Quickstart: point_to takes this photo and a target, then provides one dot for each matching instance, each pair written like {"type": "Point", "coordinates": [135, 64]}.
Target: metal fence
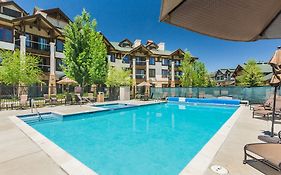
{"type": "Point", "coordinates": [10, 97]}
{"type": "Point", "coordinates": [253, 94]}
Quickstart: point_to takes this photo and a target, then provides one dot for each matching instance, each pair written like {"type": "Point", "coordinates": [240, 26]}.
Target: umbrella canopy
{"type": "Point", "coordinates": [237, 20]}
{"type": "Point", "coordinates": [275, 62]}
{"type": "Point", "coordinates": [144, 83]}
{"type": "Point", "coordinates": [67, 81]}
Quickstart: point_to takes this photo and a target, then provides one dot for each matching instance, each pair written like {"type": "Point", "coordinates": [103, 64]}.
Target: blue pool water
{"type": "Point", "coordinates": [148, 140]}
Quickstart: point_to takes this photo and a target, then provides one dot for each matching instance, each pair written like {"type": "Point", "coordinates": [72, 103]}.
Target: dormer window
{"type": "Point", "coordinates": [125, 43]}
{"type": "Point", "coordinates": [151, 46]}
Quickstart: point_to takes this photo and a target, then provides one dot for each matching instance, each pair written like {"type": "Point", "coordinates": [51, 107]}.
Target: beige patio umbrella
{"type": "Point", "coordinates": [67, 81]}
{"type": "Point", "coordinates": [146, 85]}
{"type": "Point", "coordinates": [240, 20]}
{"type": "Point", "coordinates": [275, 81]}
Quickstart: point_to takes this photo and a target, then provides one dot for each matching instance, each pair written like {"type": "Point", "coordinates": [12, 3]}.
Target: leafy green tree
{"type": "Point", "coordinates": [85, 52]}
{"type": "Point", "coordinates": [251, 75]}
{"type": "Point", "coordinates": [194, 72]}
{"type": "Point", "coordinates": [15, 72]}
{"type": "Point", "coordinates": [118, 77]}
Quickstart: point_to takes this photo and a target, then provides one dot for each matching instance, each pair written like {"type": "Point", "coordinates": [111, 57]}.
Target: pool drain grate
{"type": "Point", "coordinates": [219, 170]}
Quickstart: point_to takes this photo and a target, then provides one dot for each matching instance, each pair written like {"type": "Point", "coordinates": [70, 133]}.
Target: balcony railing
{"type": "Point", "coordinates": [34, 45]}
{"type": "Point", "coordinates": [141, 63]}
{"type": "Point", "coordinates": [44, 68]}
{"type": "Point", "coordinates": [140, 76]}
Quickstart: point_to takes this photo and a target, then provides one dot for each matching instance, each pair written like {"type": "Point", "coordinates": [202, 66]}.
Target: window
{"type": "Point", "coordinates": [11, 12]}
{"type": "Point", "coordinates": [178, 63]}
{"type": "Point", "coordinates": [151, 61]}
{"type": "Point", "coordinates": [28, 39]}
{"type": "Point", "coordinates": [6, 34]}
{"type": "Point", "coordinates": [43, 44]}
{"type": "Point", "coordinates": [126, 59]}
{"type": "Point", "coordinates": [140, 61]}
{"type": "Point", "coordinates": [112, 58]}
{"type": "Point", "coordinates": [152, 73]}
{"type": "Point", "coordinates": [164, 73]}
{"type": "Point", "coordinates": [165, 62]}
{"type": "Point", "coordinates": [60, 46]}
{"type": "Point", "coordinates": [140, 73]}
{"type": "Point", "coordinates": [59, 64]}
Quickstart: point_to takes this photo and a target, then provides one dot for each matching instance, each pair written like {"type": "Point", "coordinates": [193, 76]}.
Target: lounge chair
{"type": "Point", "coordinates": [46, 98]}
{"type": "Point", "coordinates": [266, 104]}
{"type": "Point", "coordinates": [79, 100]}
{"type": "Point", "coordinates": [90, 97]}
{"type": "Point", "coordinates": [53, 100]}
{"type": "Point", "coordinates": [68, 99]}
{"type": "Point", "coordinates": [266, 153]}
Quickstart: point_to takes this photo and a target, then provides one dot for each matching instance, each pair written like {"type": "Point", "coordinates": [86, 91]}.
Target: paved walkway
{"type": "Point", "coordinates": [231, 153]}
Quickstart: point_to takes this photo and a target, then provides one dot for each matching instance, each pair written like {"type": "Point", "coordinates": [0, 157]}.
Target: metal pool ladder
{"type": "Point", "coordinates": [33, 105]}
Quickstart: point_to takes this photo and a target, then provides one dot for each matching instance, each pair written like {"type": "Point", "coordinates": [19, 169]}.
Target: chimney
{"type": "Point", "coordinates": [137, 43]}
{"type": "Point", "coordinates": [161, 46]}
{"type": "Point", "coordinates": [149, 42]}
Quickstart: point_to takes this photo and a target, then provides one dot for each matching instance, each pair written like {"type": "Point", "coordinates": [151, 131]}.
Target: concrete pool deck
{"type": "Point", "coordinates": [21, 155]}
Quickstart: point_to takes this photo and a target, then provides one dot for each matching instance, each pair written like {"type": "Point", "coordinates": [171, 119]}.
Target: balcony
{"type": "Point", "coordinates": [44, 68]}
{"type": "Point", "coordinates": [141, 63]}
{"type": "Point", "coordinates": [34, 46]}
{"type": "Point", "coordinates": [140, 76]}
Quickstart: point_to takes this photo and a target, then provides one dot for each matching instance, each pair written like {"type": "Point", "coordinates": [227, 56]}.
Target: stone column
{"type": "Point", "coordinates": [22, 45]}
{"type": "Point", "coordinates": [22, 90]}
{"type": "Point", "coordinates": [52, 77]}
{"type": "Point", "coordinates": [134, 77]}
{"type": "Point", "coordinates": [173, 74]}
{"type": "Point", "coordinates": [147, 69]}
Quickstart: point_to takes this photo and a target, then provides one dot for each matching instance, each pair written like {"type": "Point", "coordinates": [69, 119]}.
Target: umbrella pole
{"type": "Point", "coordinates": [273, 114]}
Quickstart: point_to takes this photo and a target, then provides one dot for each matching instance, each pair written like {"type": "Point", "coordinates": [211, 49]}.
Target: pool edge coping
{"type": "Point", "coordinates": [200, 163]}
{"type": "Point", "coordinates": [72, 166]}
{"type": "Point", "coordinates": [64, 160]}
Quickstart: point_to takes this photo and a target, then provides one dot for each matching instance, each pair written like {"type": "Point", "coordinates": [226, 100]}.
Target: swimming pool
{"type": "Point", "coordinates": [152, 139]}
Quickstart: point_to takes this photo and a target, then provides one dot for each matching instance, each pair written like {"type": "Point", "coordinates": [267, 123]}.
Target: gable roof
{"type": "Point", "coordinates": [140, 47]}
{"type": "Point", "coordinates": [57, 10]}
{"type": "Point", "coordinates": [125, 41]}
{"type": "Point", "coordinates": [13, 3]}
{"type": "Point", "coordinates": [25, 18]}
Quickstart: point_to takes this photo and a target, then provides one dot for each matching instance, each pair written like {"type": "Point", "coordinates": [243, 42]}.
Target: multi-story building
{"type": "Point", "coordinates": [39, 34]}
{"type": "Point", "coordinates": [264, 67]}
{"type": "Point", "coordinates": [149, 62]}
{"type": "Point", "coordinates": [223, 77]}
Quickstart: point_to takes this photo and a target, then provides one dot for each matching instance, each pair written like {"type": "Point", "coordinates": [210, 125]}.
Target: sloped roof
{"type": "Point", "coordinates": [13, 3]}
{"type": "Point", "coordinates": [265, 68]}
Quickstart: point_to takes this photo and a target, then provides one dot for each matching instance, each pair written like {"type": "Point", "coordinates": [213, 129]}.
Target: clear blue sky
{"type": "Point", "coordinates": [139, 19]}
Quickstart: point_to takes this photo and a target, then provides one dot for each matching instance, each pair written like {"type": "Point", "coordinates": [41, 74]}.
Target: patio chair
{"type": "Point", "coordinates": [90, 97]}
{"type": "Point", "coordinates": [23, 101]}
{"type": "Point", "coordinates": [46, 98]}
{"type": "Point", "coordinates": [266, 104]}
{"type": "Point", "coordinates": [68, 99]}
{"type": "Point", "coordinates": [53, 100]}
{"type": "Point", "coordinates": [79, 100]}
{"type": "Point", "coordinates": [266, 153]}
